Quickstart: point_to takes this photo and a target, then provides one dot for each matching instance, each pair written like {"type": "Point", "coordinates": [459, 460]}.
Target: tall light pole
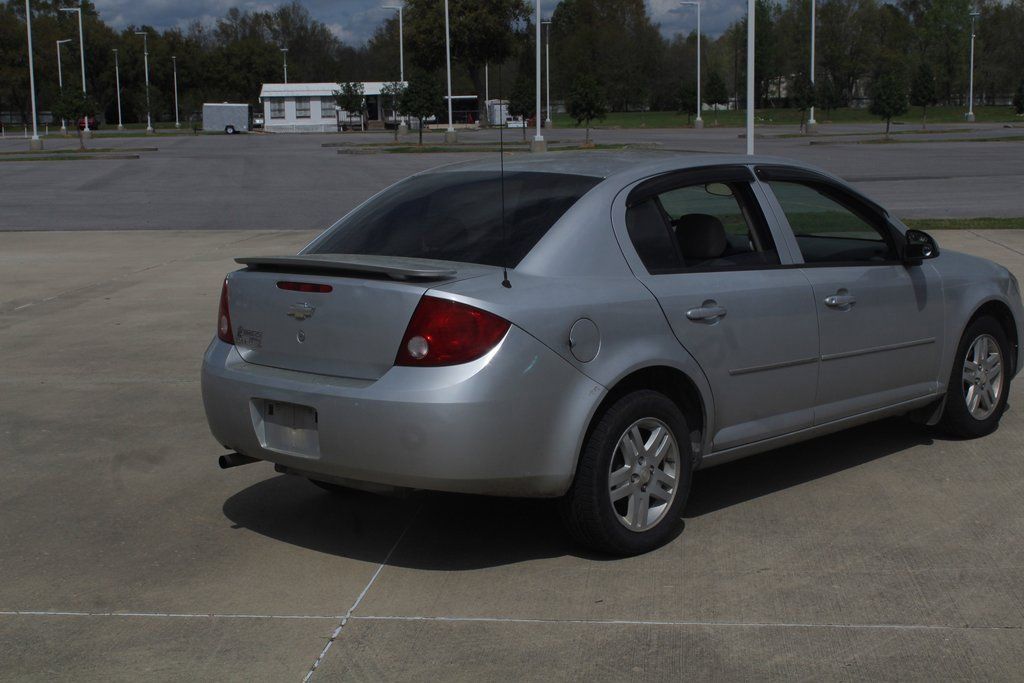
{"type": "Point", "coordinates": [81, 45]}
{"type": "Point", "coordinates": [970, 88]}
{"type": "Point", "coordinates": [449, 135]}
{"type": "Point", "coordinates": [145, 56]}
{"type": "Point", "coordinates": [117, 84]}
{"type": "Point", "coordinates": [538, 144]}
{"type": "Point", "coordinates": [35, 142]}
{"type": "Point", "coordinates": [697, 122]}
{"type": "Point", "coordinates": [750, 76]}
{"type": "Point", "coordinates": [174, 64]}
{"type": "Point", "coordinates": [401, 42]}
{"type": "Point", "coordinates": [810, 119]}
{"type": "Point", "coordinates": [60, 81]}
{"type": "Point", "coordinates": [547, 73]}
{"type": "Point", "coordinates": [284, 52]}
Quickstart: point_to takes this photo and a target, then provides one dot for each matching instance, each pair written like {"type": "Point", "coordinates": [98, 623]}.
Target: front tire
{"type": "Point", "coordinates": [979, 382]}
{"type": "Point", "coordinates": [230, 130]}
{"type": "Point", "coordinates": [633, 477]}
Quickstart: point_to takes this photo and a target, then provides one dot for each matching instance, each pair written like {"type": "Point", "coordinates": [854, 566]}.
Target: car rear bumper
{"type": "Point", "coordinates": [510, 423]}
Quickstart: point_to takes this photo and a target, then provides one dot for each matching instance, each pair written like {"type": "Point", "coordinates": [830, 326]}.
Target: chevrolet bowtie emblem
{"type": "Point", "coordinates": [301, 311]}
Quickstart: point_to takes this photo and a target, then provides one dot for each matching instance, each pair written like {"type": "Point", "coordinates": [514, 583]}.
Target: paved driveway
{"type": "Point", "coordinates": [886, 552]}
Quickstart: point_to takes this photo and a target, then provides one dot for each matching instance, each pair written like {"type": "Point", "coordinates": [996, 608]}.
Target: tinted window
{"type": "Point", "coordinates": [710, 225]}
{"type": "Point", "coordinates": [829, 228]}
{"type": "Point", "coordinates": [457, 216]}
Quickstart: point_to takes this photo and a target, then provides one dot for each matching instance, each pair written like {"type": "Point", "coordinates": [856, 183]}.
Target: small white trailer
{"type": "Point", "coordinates": [226, 117]}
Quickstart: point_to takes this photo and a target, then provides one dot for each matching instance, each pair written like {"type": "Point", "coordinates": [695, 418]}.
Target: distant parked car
{"type": "Point", "coordinates": [257, 121]}
{"type": "Point", "coordinates": [93, 123]}
{"type": "Point", "coordinates": [596, 327]}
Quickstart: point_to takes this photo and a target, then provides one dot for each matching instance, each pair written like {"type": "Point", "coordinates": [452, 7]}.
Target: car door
{"type": "Point", "coordinates": [700, 242]}
{"type": "Point", "coordinates": [880, 320]}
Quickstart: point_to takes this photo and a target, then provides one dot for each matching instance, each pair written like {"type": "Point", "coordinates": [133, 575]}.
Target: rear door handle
{"type": "Point", "coordinates": [706, 312]}
{"type": "Point", "coordinates": [840, 300]}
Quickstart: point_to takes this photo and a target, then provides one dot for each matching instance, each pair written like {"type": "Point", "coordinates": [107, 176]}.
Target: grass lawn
{"type": "Point", "coordinates": [965, 223]}
{"type": "Point", "coordinates": [730, 119]}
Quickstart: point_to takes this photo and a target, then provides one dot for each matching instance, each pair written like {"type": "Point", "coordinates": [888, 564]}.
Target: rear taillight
{"type": "Point", "coordinates": [224, 332]}
{"type": "Point", "coordinates": [444, 332]}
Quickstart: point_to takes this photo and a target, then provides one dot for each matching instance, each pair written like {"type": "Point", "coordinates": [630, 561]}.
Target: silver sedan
{"type": "Point", "coordinates": [596, 327]}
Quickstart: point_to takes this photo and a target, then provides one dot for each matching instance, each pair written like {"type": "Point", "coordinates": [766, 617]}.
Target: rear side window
{"type": "Point", "coordinates": [829, 228]}
{"type": "Point", "coordinates": [457, 216]}
{"type": "Point", "coordinates": [707, 226]}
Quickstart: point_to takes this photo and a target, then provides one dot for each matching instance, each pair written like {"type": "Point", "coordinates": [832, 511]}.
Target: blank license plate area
{"type": "Point", "coordinates": [286, 427]}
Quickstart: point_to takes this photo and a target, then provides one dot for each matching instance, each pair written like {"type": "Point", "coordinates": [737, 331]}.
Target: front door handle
{"type": "Point", "coordinates": [709, 311]}
{"type": "Point", "coordinates": [840, 300]}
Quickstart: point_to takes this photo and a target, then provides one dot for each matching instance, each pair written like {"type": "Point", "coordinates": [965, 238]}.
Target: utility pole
{"type": "Point", "coordinates": [35, 143]}
{"type": "Point", "coordinates": [697, 122]}
{"type": "Point", "coordinates": [750, 76]}
{"type": "Point", "coordinates": [284, 51]}
{"type": "Point", "coordinates": [538, 144]}
{"type": "Point", "coordinates": [970, 88]}
{"type": "Point", "coordinates": [145, 56]}
{"type": "Point", "coordinates": [60, 82]}
{"type": "Point", "coordinates": [810, 120]}
{"type": "Point", "coordinates": [81, 44]}
{"type": "Point", "coordinates": [174, 62]}
{"type": "Point", "coordinates": [547, 72]}
{"type": "Point", "coordinates": [449, 135]}
{"type": "Point", "coordinates": [117, 83]}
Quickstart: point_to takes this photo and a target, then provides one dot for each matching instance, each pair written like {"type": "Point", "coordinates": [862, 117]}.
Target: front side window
{"type": "Point", "coordinates": [699, 227]}
{"type": "Point", "coordinates": [457, 216]}
{"type": "Point", "coordinates": [327, 107]}
{"type": "Point", "coordinates": [829, 228]}
{"type": "Point", "coordinates": [302, 107]}
{"type": "Point", "coordinates": [277, 107]}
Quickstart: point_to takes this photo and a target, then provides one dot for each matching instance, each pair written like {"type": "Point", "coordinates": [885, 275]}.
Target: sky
{"type": "Point", "coordinates": [355, 20]}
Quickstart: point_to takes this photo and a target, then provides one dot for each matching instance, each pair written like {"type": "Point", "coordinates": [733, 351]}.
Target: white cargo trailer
{"type": "Point", "coordinates": [230, 118]}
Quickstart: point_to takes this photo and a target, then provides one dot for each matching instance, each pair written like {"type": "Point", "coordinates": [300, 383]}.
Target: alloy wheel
{"type": "Point", "coordinates": [643, 473]}
{"type": "Point", "coordinates": [983, 377]}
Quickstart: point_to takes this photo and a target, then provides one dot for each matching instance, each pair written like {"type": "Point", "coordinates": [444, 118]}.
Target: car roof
{"type": "Point", "coordinates": [629, 164]}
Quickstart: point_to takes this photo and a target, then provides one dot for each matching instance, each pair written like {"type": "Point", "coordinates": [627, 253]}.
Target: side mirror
{"type": "Point", "coordinates": [918, 246]}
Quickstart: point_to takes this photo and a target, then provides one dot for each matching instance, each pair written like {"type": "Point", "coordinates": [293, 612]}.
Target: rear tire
{"type": "Point", "coordinates": [970, 410]}
{"type": "Point", "coordinates": [230, 130]}
{"type": "Point", "coordinates": [631, 483]}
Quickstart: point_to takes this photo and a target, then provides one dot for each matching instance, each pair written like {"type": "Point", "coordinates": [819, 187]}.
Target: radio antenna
{"type": "Point", "coordinates": [501, 182]}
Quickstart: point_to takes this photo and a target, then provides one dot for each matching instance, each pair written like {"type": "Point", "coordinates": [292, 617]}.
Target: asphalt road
{"type": "Point", "coordinates": [885, 552]}
{"type": "Point", "coordinates": [285, 182]}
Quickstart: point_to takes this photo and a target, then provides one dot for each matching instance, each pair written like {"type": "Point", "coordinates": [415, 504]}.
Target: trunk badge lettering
{"type": "Point", "coordinates": [301, 311]}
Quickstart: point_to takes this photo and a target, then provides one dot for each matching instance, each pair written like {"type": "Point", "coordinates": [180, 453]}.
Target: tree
{"type": "Point", "coordinates": [686, 100]}
{"type": "Point", "coordinates": [522, 99]}
{"type": "Point", "coordinates": [827, 94]}
{"type": "Point", "coordinates": [888, 95]}
{"type": "Point", "coordinates": [1018, 99]}
{"type": "Point", "coordinates": [586, 102]}
{"type": "Point", "coordinates": [74, 105]}
{"type": "Point", "coordinates": [391, 94]}
{"type": "Point", "coordinates": [802, 96]}
{"type": "Point", "coordinates": [715, 92]}
{"type": "Point", "coordinates": [922, 89]}
{"type": "Point", "coordinates": [351, 99]}
{"type": "Point", "coordinates": [481, 31]}
{"type": "Point", "coordinates": [421, 99]}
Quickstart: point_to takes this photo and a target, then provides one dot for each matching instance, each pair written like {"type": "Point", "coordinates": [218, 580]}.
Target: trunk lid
{"type": "Point", "coordinates": [353, 330]}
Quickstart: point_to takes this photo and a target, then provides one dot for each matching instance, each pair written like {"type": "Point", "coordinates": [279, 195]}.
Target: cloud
{"type": "Point", "coordinates": [354, 21]}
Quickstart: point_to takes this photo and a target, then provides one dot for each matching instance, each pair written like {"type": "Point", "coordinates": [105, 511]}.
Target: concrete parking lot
{"type": "Point", "coordinates": [885, 552]}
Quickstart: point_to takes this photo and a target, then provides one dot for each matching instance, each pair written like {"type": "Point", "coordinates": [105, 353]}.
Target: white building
{"type": "Point", "coordinates": [312, 108]}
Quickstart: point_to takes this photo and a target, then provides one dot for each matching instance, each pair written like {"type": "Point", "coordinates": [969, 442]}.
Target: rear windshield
{"type": "Point", "coordinates": [456, 216]}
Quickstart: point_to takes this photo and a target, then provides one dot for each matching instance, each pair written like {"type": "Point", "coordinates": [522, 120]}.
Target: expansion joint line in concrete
{"type": "Point", "coordinates": [355, 605]}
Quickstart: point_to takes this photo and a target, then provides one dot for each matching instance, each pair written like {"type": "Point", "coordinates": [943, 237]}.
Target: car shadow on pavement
{"type": "Point", "coordinates": [451, 532]}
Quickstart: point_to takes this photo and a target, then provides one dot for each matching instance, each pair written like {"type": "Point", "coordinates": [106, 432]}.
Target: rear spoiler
{"type": "Point", "coordinates": [388, 266]}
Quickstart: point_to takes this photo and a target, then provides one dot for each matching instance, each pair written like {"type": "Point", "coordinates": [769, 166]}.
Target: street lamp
{"type": "Point", "coordinates": [174, 64]}
{"type": "Point", "coordinates": [449, 135]}
{"type": "Point", "coordinates": [970, 88]}
{"type": "Point", "coordinates": [403, 126]}
{"type": "Point", "coordinates": [35, 143]}
{"type": "Point", "coordinates": [81, 43]}
{"type": "Point", "coordinates": [538, 144]}
{"type": "Point", "coordinates": [697, 122]}
{"type": "Point", "coordinates": [750, 77]}
{"type": "Point", "coordinates": [810, 119]}
{"type": "Point", "coordinates": [145, 56]}
{"type": "Point", "coordinates": [547, 72]}
{"type": "Point", "coordinates": [401, 41]}
{"type": "Point", "coordinates": [117, 83]}
{"type": "Point", "coordinates": [284, 52]}
{"type": "Point", "coordinates": [60, 81]}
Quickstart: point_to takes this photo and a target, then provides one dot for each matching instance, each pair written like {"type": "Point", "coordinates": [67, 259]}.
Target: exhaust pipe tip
{"type": "Point", "coordinates": [230, 460]}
